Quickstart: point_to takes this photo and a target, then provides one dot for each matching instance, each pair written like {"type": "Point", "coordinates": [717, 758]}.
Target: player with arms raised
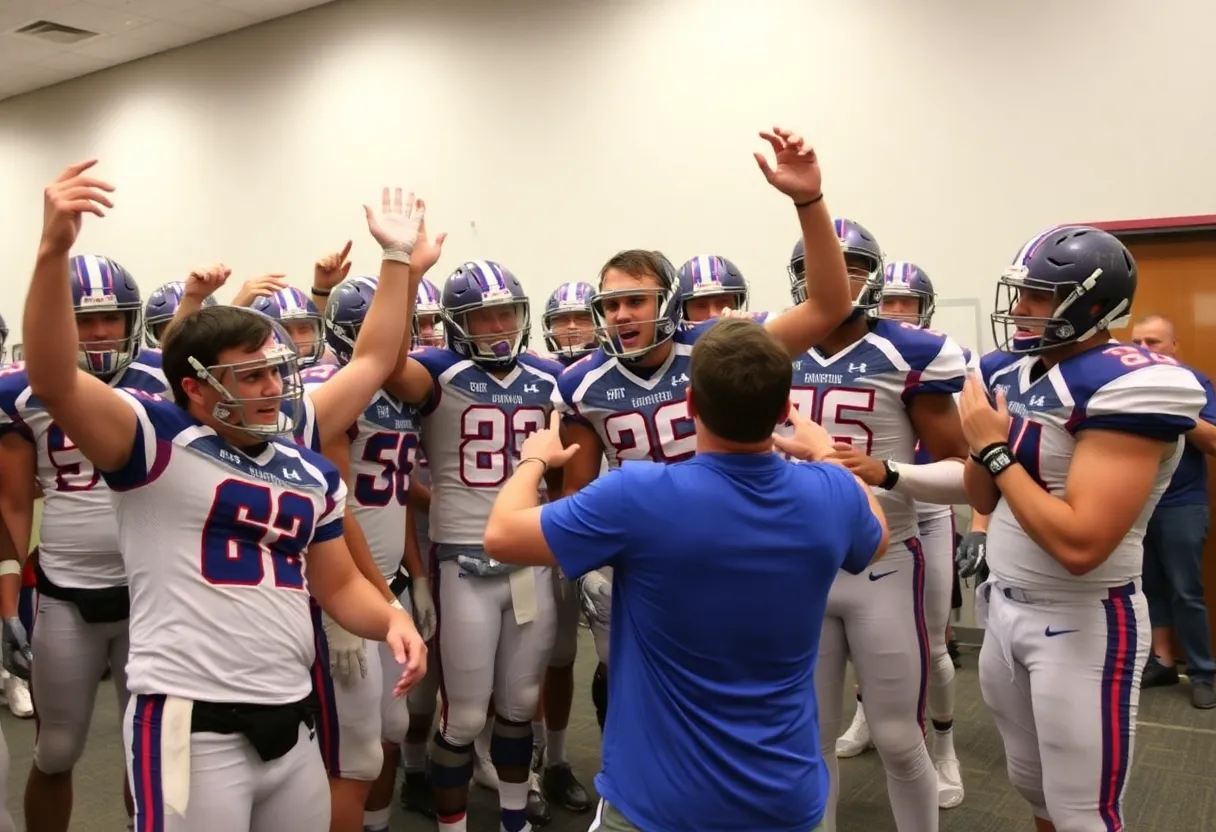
{"type": "Point", "coordinates": [1070, 462]}
{"type": "Point", "coordinates": [479, 398]}
{"type": "Point", "coordinates": [877, 386]}
{"type": "Point", "coordinates": [218, 734]}
{"type": "Point", "coordinates": [626, 400]}
{"type": "Point", "coordinates": [82, 587]}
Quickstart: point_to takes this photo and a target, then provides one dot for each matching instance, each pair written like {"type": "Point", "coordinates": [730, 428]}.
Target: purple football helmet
{"type": "Point", "coordinates": [710, 275]}
{"type": "Point", "coordinates": [901, 279]}
{"type": "Point", "coordinates": [863, 259]}
{"type": "Point", "coordinates": [485, 285]}
{"type": "Point", "coordinates": [568, 299]}
{"type": "Point", "coordinates": [161, 307]}
{"type": "Point", "coordinates": [344, 314]}
{"type": "Point", "coordinates": [295, 310]}
{"type": "Point", "coordinates": [428, 321]}
{"type": "Point", "coordinates": [101, 286]}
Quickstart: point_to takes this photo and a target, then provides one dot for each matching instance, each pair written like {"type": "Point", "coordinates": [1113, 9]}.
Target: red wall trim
{"type": "Point", "coordinates": [1158, 225]}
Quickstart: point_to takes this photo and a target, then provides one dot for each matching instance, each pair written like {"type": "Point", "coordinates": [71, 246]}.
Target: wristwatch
{"type": "Point", "coordinates": [892, 476]}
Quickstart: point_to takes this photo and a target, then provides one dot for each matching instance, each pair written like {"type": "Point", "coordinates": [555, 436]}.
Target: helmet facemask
{"type": "Point", "coordinates": [258, 416]}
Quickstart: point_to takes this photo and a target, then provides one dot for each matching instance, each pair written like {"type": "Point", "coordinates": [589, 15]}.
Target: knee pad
{"type": "Point", "coordinates": [901, 745]}
{"type": "Point", "coordinates": [462, 722]}
{"type": "Point", "coordinates": [58, 748]}
{"type": "Point", "coordinates": [511, 743]}
{"type": "Point", "coordinates": [599, 694]}
{"type": "Point", "coordinates": [451, 764]}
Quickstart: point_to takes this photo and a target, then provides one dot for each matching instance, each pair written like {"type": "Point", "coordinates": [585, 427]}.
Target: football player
{"type": "Point", "coordinates": [1074, 438]}
{"type": "Point", "coordinates": [626, 400]}
{"type": "Point", "coordinates": [569, 335]}
{"type": "Point", "coordinates": [160, 309]}
{"type": "Point", "coordinates": [908, 296]}
{"type": "Point", "coordinates": [375, 456]}
{"type": "Point", "coordinates": [428, 322]}
{"type": "Point", "coordinates": [877, 386]}
{"type": "Point", "coordinates": [81, 623]}
{"type": "Point", "coordinates": [299, 317]}
{"type": "Point", "coordinates": [479, 398]}
{"type": "Point", "coordinates": [709, 284]}
{"type": "Point", "coordinates": [220, 732]}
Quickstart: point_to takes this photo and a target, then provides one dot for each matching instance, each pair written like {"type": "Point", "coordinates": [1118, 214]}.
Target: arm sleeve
{"type": "Point", "coordinates": [589, 529]}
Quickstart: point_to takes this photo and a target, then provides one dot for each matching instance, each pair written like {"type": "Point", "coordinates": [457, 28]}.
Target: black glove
{"type": "Point", "coordinates": [971, 553]}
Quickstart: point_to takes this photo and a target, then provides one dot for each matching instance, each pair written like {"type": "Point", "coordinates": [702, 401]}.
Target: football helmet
{"type": "Point", "coordinates": [484, 284]}
{"type": "Point", "coordinates": [427, 306]}
{"type": "Point", "coordinates": [101, 285]}
{"type": "Point", "coordinates": [569, 298]}
{"type": "Point", "coordinates": [280, 353]}
{"type": "Point", "coordinates": [902, 279]}
{"type": "Point", "coordinates": [863, 259]}
{"type": "Point", "coordinates": [669, 315]}
{"type": "Point", "coordinates": [345, 312]}
{"type": "Point", "coordinates": [161, 307]}
{"type": "Point", "coordinates": [1090, 274]}
{"type": "Point", "coordinates": [300, 318]}
{"type": "Point", "coordinates": [709, 275]}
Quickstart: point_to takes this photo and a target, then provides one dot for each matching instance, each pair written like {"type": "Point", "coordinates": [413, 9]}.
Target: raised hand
{"type": "Point", "coordinates": [331, 269]}
{"type": "Point", "coordinates": [546, 445]}
{"type": "Point", "coordinates": [797, 174]}
{"type": "Point", "coordinates": [66, 201]}
{"type": "Point", "coordinates": [396, 227]}
{"type": "Point", "coordinates": [262, 286]}
{"type": "Point", "coordinates": [204, 280]}
{"type": "Point", "coordinates": [426, 251]}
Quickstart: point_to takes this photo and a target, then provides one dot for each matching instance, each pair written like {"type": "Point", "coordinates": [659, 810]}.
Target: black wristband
{"type": "Point", "coordinates": [321, 293]}
{"type": "Point", "coordinates": [996, 458]}
{"type": "Point", "coordinates": [809, 202]}
{"type": "Point", "coordinates": [892, 476]}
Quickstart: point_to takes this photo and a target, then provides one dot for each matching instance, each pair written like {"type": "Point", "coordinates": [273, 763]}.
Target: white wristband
{"type": "Point", "coordinates": [398, 255]}
{"type": "Point", "coordinates": [10, 566]}
{"type": "Point", "coordinates": [940, 483]}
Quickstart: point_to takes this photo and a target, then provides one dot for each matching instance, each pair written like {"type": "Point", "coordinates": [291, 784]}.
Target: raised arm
{"type": "Point", "coordinates": [199, 285]}
{"type": "Point", "coordinates": [89, 411]}
{"type": "Point", "coordinates": [827, 303]}
{"type": "Point", "coordinates": [340, 400]}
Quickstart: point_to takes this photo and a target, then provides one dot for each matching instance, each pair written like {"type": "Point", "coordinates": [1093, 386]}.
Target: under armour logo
{"type": "Point", "coordinates": [857, 368]}
{"type": "Point", "coordinates": [1037, 401]}
{"type": "Point", "coordinates": [682, 378]}
{"type": "Point", "coordinates": [289, 474]}
{"type": "Point", "coordinates": [531, 388]}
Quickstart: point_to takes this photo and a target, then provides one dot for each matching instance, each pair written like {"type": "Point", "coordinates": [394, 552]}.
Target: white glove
{"type": "Point", "coordinates": [396, 229]}
{"type": "Point", "coordinates": [425, 618]}
{"type": "Point", "coordinates": [346, 651]}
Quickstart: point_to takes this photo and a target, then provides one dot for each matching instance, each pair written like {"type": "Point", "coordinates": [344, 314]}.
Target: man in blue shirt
{"type": "Point", "coordinates": [1174, 541]}
{"type": "Point", "coordinates": [722, 566]}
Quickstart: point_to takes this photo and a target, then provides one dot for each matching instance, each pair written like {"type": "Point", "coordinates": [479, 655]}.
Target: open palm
{"type": "Point", "coordinates": [797, 173]}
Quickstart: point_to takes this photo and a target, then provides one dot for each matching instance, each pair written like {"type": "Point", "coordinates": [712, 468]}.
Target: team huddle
{"type": "Point", "coordinates": [267, 518]}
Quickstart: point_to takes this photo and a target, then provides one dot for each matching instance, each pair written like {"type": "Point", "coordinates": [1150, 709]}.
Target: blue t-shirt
{"type": "Point", "coordinates": [722, 566]}
{"type": "Point", "coordinates": [1189, 485]}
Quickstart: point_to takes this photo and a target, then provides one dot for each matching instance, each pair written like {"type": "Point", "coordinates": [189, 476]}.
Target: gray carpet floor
{"type": "Point", "coordinates": [1172, 786]}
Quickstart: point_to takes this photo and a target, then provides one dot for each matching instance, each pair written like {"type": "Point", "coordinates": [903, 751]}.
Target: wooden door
{"type": "Point", "coordinates": [1178, 280]}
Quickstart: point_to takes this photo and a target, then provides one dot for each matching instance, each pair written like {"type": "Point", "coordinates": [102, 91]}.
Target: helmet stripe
{"type": "Point", "coordinates": [1033, 245]}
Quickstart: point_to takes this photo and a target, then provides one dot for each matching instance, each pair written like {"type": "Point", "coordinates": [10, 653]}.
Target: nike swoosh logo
{"type": "Point", "coordinates": [1050, 632]}
{"type": "Point", "coordinates": [874, 577]}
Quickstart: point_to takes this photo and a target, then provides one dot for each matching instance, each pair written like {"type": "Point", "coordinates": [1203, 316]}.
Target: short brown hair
{"type": "Point", "coordinates": [741, 380]}
{"type": "Point", "coordinates": [638, 262]}
{"type": "Point", "coordinates": [203, 335]}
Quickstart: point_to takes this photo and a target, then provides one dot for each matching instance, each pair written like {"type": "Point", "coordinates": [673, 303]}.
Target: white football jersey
{"type": "Point", "coordinates": [214, 540]}
{"type": "Point", "coordinates": [861, 393]}
{"type": "Point", "coordinates": [383, 449]}
{"type": "Point", "coordinates": [78, 536]}
{"type": "Point", "coordinates": [472, 430]}
{"type": "Point", "coordinates": [1115, 387]}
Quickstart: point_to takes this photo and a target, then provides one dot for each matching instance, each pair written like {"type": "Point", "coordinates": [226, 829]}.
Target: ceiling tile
{"type": "Point", "coordinates": [97, 19]}
{"type": "Point", "coordinates": [25, 48]}
{"type": "Point", "coordinates": [212, 19]}
{"type": "Point", "coordinates": [266, 9]}
{"type": "Point", "coordinates": [166, 35]}
{"type": "Point", "coordinates": [82, 64]}
{"type": "Point", "coordinates": [116, 49]}
{"type": "Point", "coordinates": [155, 9]}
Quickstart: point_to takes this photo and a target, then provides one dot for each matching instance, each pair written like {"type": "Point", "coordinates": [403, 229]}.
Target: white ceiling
{"type": "Point", "coordinates": [127, 30]}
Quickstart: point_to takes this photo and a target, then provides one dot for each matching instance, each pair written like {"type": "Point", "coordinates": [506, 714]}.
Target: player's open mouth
{"type": "Point", "coordinates": [629, 337]}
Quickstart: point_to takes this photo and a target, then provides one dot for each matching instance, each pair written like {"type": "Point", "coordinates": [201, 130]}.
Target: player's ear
{"type": "Point", "coordinates": [785, 413]}
{"type": "Point", "coordinates": [193, 390]}
{"type": "Point", "coordinates": [690, 402]}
